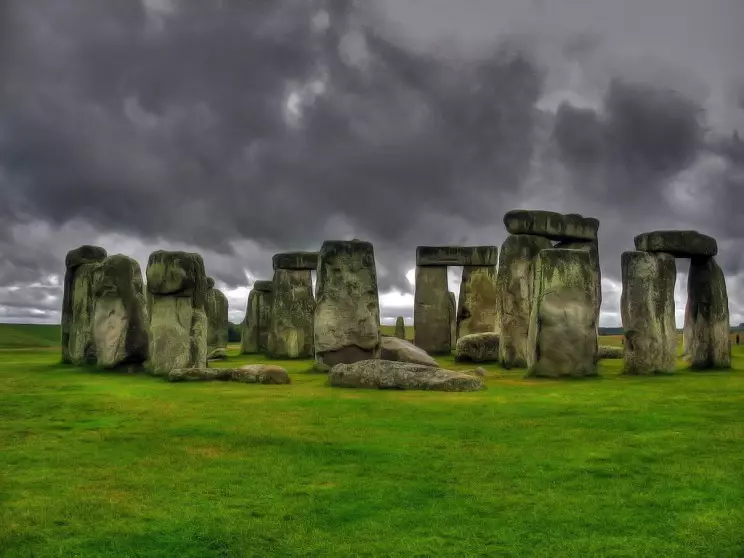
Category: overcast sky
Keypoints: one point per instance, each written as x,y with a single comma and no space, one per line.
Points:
238,129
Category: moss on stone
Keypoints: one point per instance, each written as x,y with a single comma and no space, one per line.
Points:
292,315
477,306
432,315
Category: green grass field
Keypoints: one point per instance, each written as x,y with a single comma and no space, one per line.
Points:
104,464
16,336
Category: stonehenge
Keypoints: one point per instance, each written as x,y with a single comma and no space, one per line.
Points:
432,307
386,374
478,347
255,331
217,309
400,328
177,285
78,345
293,306
347,306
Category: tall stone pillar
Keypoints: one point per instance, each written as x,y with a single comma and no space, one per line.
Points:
432,316
709,315
477,305
217,320
255,335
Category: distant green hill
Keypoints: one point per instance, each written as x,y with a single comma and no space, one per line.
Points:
18,336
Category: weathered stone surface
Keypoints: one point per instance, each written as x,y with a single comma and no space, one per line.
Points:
292,315
593,249
400,350
555,226
609,352
347,310
77,304
177,287
217,309
400,328
477,306
452,318
217,354
514,288
121,329
249,338
432,313
296,260
199,374
687,328
456,255
263,286
385,374
709,315
681,244
261,374
480,372
478,347
563,330
647,308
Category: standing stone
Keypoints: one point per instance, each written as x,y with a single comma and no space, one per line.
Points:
78,346
452,317
347,310
292,315
514,280
563,330
593,249
647,309
255,335
121,329
400,328
687,328
709,315
177,283
432,314
477,307
217,318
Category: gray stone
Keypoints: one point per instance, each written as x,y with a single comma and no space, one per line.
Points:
514,281
477,306
121,329
385,374
261,374
480,372
555,226
647,308
177,297
217,354
709,315
263,286
255,335
452,318
347,310
400,350
456,255
687,328
292,315
78,346
217,320
199,374
307,261
400,328
609,352
563,330
478,347
681,244
432,314
593,249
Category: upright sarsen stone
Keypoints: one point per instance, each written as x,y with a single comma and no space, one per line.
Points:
432,314
709,315
563,330
477,306
400,328
121,329
647,309
177,287
347,309
515,290
78,346
453,318
292,315
255,335
593,249
217,318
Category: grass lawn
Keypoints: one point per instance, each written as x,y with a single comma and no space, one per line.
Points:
105,464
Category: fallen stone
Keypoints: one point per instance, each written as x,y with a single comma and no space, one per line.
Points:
400,328
400,350
385,374
347,310
477,306
680,244
292,315
709,316
261,374
563,329
555,226
515,290
480,372
456,255
78,346
478,347
121,330
609,352
432,312
217,354
296,261
647,309
199,374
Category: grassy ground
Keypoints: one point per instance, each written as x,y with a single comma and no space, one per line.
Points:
14,336
102,464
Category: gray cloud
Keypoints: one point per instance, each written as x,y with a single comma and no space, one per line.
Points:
242,128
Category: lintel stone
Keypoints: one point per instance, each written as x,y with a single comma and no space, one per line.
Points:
680,244
552,225
295,260
456,255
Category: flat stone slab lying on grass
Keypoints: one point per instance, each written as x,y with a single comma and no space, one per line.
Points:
681,244
478,347
295,261
386,374
249,374
400,350
609,352
456,255
555,226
